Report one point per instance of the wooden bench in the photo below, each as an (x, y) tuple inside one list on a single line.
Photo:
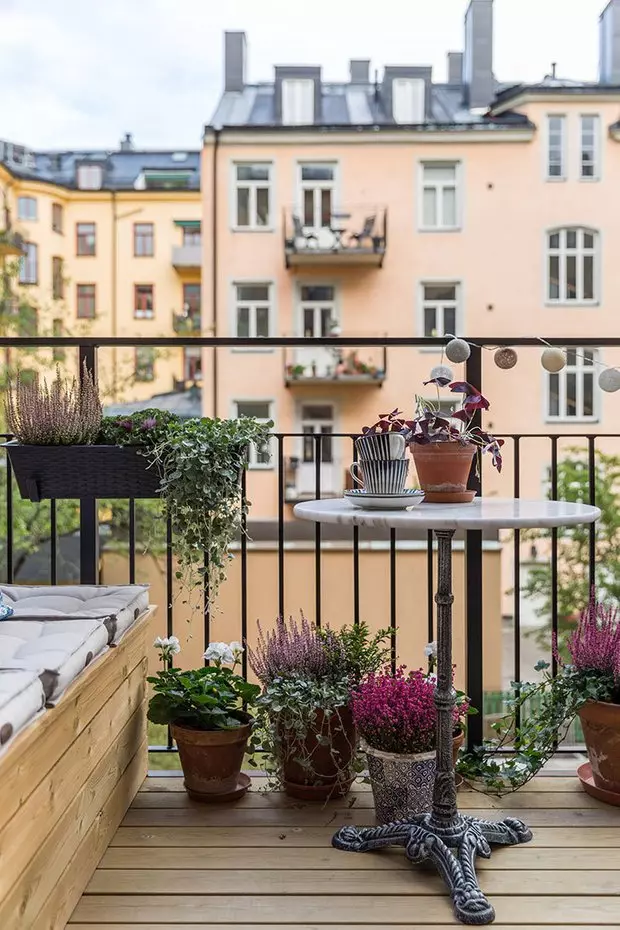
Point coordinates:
[(65, 784)]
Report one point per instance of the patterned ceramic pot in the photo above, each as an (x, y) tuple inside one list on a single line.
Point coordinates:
[(402, 785)]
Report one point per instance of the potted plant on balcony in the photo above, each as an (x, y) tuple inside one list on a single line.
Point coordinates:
[(305, 722), (205, 710), (443, 447)]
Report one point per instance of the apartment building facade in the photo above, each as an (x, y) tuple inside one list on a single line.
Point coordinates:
[(405, 207)]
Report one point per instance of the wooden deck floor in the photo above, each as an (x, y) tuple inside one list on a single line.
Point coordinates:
[(267, 862)]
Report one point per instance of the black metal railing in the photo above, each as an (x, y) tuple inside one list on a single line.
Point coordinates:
[(473, 543)]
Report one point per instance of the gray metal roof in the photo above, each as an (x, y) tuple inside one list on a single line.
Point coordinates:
[(186, 404)]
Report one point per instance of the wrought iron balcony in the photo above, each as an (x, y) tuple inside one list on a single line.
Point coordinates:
[(336, 366), (186, 324), (355, 235)]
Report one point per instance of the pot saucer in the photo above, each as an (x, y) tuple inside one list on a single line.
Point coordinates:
[(456, 497), (601, 794), (367, 501), (243, 784)]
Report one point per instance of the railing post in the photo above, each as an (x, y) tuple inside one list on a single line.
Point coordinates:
[(473, 583), (89, 520)]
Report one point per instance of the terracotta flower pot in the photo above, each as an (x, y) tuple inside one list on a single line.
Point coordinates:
[(443, 471), (212, 760), (457, 742), (601, 731), (328, 749)]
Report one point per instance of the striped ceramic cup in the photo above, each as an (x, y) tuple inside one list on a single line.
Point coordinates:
[(381, 476), (381, 446)]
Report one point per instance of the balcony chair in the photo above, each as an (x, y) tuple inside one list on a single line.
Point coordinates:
[(365, 233), (301, 238)]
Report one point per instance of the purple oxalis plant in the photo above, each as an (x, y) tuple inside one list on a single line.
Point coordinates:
[(390, 423)]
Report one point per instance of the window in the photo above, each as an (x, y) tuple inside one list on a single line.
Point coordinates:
[(572, 266), (89, 177), (440, 303), (298, 102), (192, 363), (86, 301), (57, 217), (143, 240), (86, 238), (440, 207), (191, 299), (252, 196), (590, 133), (318, 310), (164, 180), (144, 302), (556, 155), (58, 354), (571, 392), (317, 420), (58, 281), (192, 235), (29, 264), (259, 456), (408, 100), (145, 363), (252, 310), (317, 194), (27, 208)]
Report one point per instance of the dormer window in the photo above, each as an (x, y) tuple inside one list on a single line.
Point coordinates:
[(89, 177), (297, 102), (408, 98)]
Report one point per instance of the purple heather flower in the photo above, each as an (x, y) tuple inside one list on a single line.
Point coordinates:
[(127, 424), (149, 423)]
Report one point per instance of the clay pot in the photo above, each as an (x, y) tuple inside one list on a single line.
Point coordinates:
[(457, 742), (601, 731), (329, 748), (212, 760), (443, 471)]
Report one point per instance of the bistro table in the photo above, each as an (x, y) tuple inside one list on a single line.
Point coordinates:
[(449, 839)]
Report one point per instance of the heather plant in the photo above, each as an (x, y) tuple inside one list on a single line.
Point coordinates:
[(540, 714), (61, 413)]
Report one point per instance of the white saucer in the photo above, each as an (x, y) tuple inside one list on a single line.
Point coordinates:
[(367, 501)]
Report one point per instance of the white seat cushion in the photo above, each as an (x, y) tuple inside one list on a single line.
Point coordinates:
[(116, 606), (56, 650), (21, 699)]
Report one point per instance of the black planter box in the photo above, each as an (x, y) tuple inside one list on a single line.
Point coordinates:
[(77, 472)]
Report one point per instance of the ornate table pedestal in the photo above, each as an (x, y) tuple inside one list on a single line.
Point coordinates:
[(445, 837)]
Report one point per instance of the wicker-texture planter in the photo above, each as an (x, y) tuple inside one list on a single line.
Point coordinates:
[(77, 472)]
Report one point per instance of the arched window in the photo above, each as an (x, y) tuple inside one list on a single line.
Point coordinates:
[(572, 259)]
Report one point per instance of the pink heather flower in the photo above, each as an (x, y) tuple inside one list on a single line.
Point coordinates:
[(148, 423), (289, 649), (595, 643)]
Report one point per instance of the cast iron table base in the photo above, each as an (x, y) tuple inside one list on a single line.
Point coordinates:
[(448, 839)]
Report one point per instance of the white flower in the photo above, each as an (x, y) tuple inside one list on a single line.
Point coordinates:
[(430, 650), (236, 649), (220, 652), (171, 646)]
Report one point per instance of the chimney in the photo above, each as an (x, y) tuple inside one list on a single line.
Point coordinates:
[(478, 57), (609, 44), (127, 143), (455, 67), (234, 61), (359, 70)]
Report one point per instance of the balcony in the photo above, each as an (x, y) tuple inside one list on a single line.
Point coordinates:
[(12, 244), (187, 258), (353, 236), (335, 366), (186, 324)]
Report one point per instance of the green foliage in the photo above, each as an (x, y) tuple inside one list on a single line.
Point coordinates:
[(144, 428), (354, 652), (209, 698)]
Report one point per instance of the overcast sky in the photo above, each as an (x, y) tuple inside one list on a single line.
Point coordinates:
[(78, 73)]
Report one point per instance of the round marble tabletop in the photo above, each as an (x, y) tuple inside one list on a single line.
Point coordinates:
[(482, 513)]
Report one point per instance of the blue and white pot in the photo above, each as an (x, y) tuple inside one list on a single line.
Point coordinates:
[(402, 785)]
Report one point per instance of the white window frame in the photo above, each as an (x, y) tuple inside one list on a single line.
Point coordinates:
[(562, 252), (415, 90), (562, 148), (301, 420), (252, 186), (31, 214), (302, 113), (320, 185), (439, 187), (27, 263), (594, 148), (439, 305), (89, 177), (579, 369), (253, 465), (234, 304)]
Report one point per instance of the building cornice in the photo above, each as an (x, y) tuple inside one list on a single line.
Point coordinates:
[(554, 96), (368, 135), (35, 185)]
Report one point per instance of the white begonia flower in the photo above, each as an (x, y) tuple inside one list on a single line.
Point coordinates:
[(237, 649), (430, 650), (219, 652), (170, 644)]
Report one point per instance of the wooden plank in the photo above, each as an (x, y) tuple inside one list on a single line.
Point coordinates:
[(36, 750), (229, 815), (195, 836), (306, 926), (218, 857), (342, 882), (23, 836), (372, 909), (61, 902), (47, 867)]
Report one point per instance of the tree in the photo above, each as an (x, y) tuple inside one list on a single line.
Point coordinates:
[(573, 484)]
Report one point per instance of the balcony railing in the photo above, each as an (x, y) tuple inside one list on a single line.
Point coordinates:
[(186, 324), (12, 244), (335, 366), (355, 235), (187, 257), (342, 566)]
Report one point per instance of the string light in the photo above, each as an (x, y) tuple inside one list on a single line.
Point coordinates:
[(442, 371), (553, 360), (458, 350), (505, 358), (609, 380)]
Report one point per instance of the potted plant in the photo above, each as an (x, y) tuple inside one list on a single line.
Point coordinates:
[(204, 708), (377, 440), (306, 726), (540, 714), (396, 717), (443, 447)]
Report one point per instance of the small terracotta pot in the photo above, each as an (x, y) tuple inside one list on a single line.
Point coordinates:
[(329, 748), (212, 760), (457, 742), (443, 471), (601, 731)]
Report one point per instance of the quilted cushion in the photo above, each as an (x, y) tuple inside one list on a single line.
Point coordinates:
[(56, 650), (116, 606), (21, 699)]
